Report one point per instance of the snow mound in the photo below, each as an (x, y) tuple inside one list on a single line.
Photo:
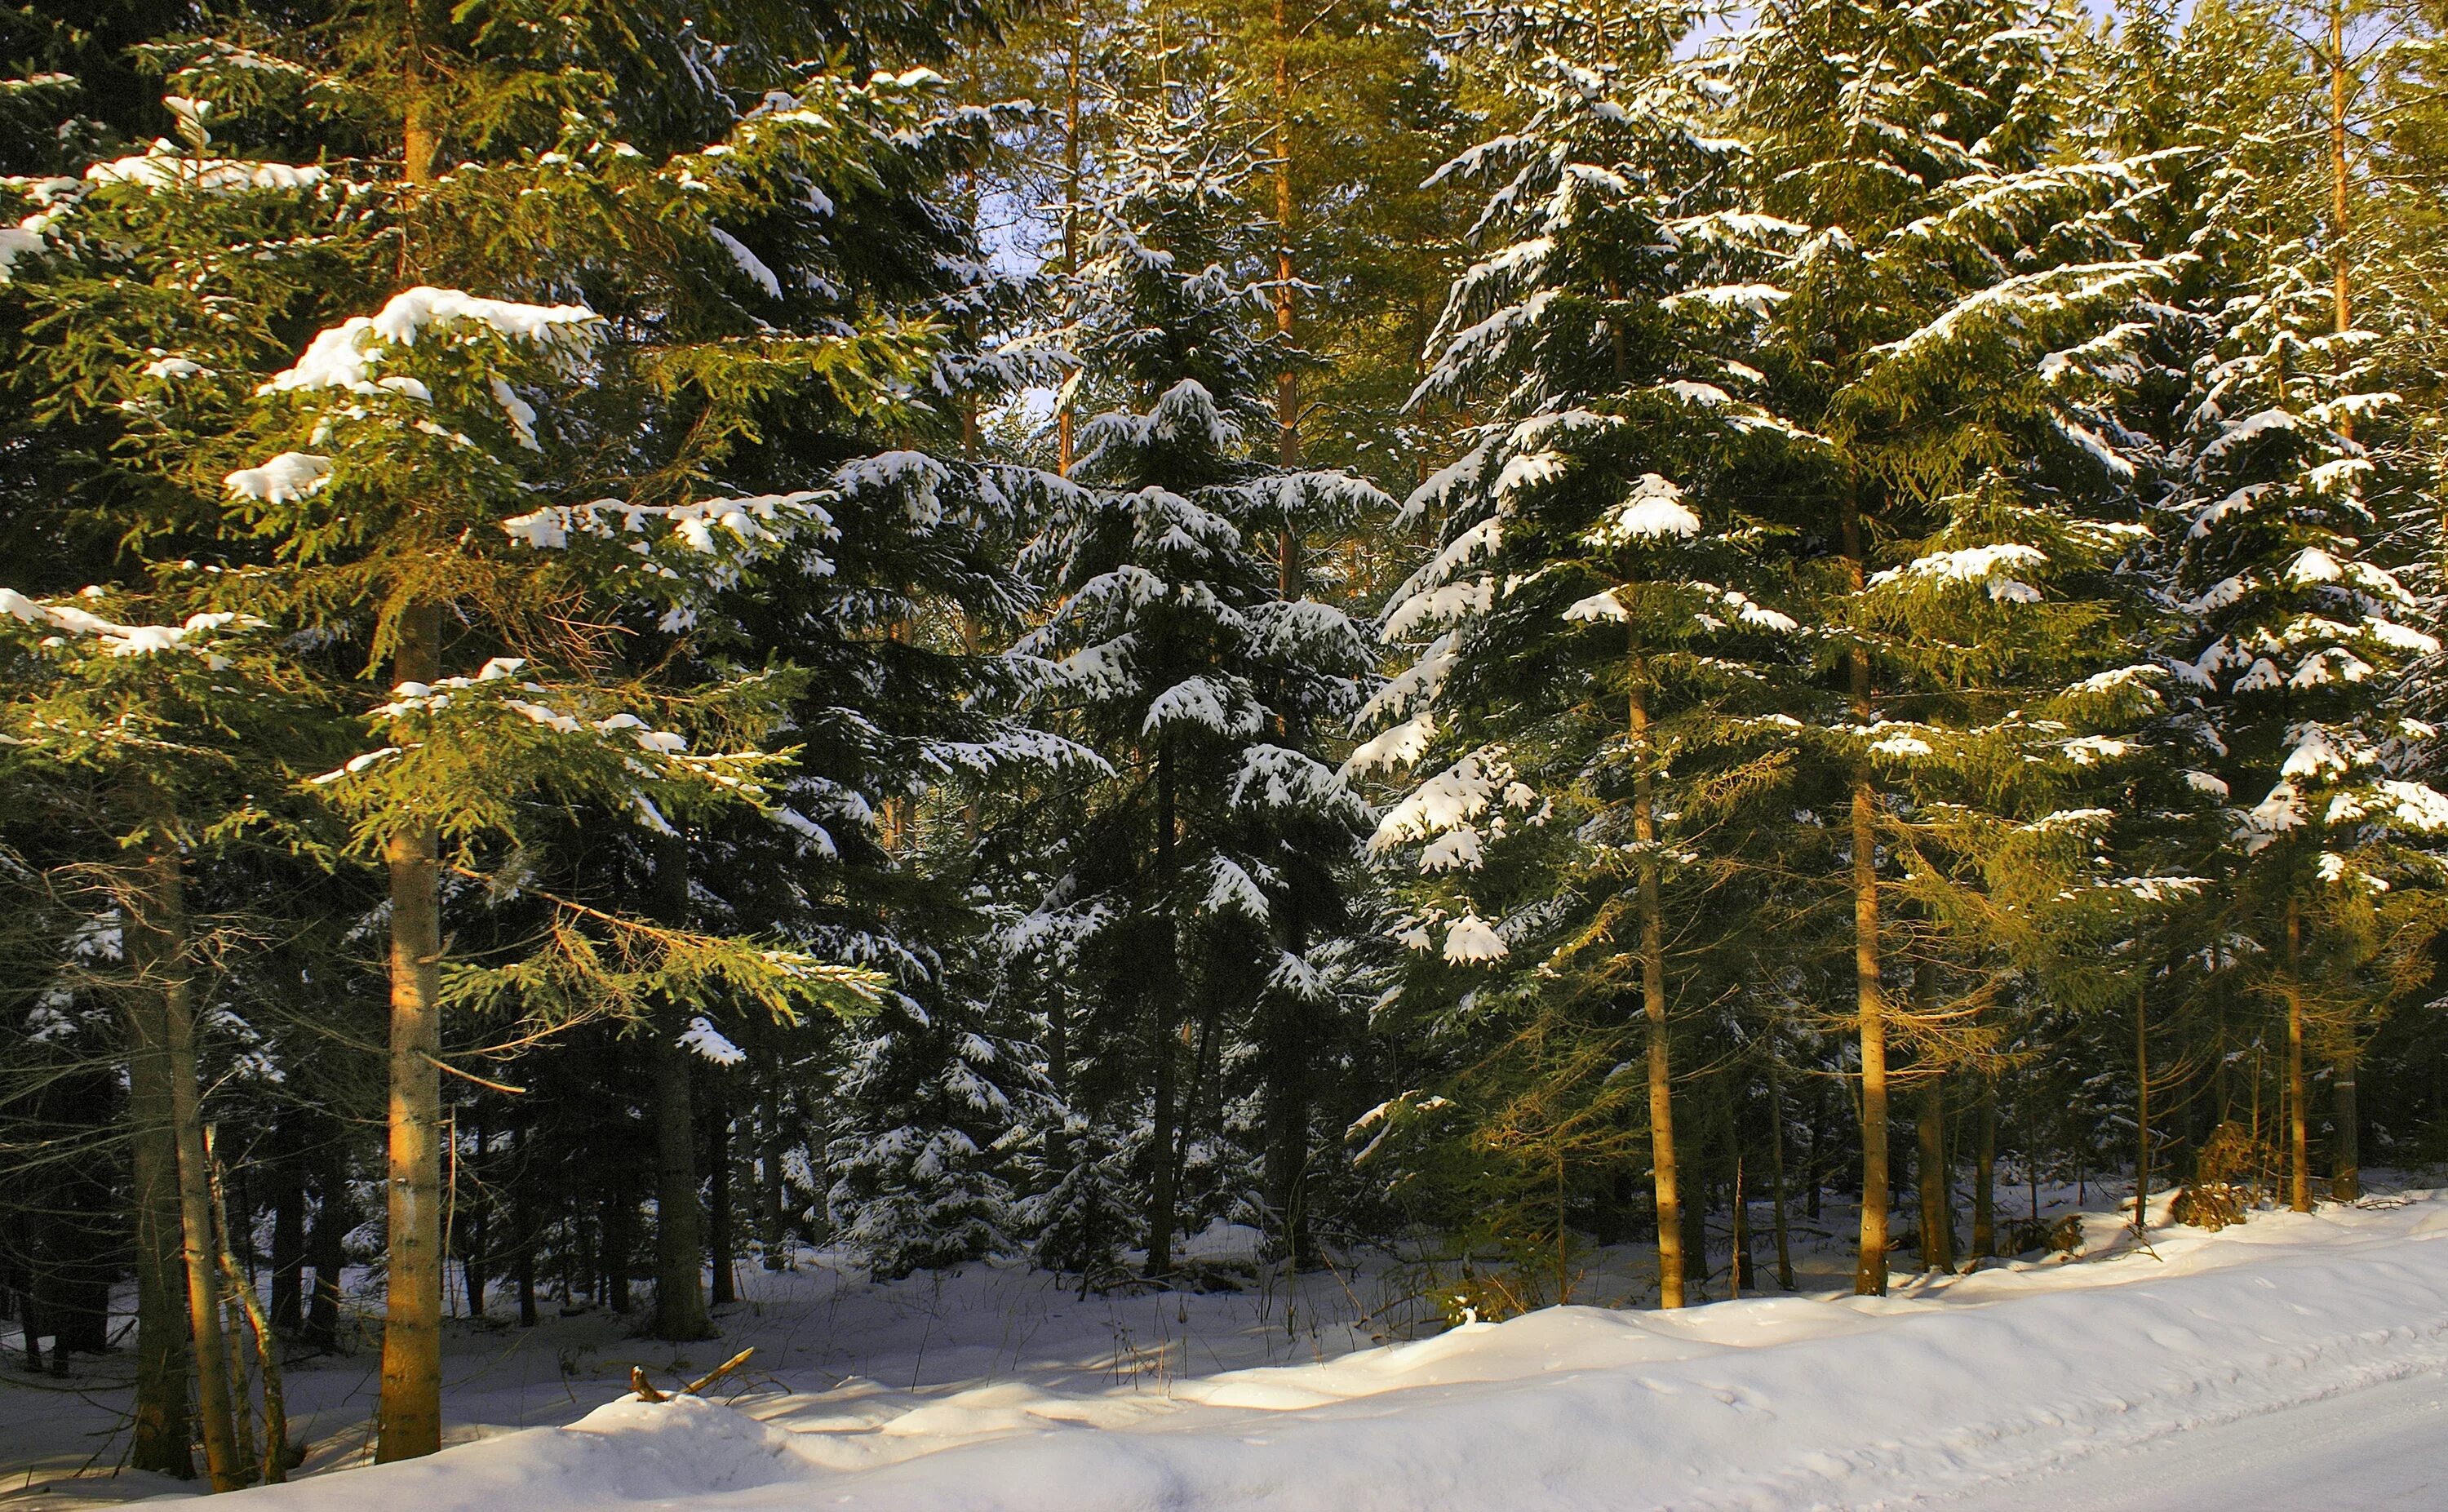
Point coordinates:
[(676, 1450), (1954, 1384)]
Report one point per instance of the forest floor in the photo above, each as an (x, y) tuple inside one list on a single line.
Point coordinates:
[(2230, 1370)]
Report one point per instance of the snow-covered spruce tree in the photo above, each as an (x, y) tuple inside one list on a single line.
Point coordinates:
[(2294, 515), (1960, 514), (1599, 666), (1203, 876), (888, 598)]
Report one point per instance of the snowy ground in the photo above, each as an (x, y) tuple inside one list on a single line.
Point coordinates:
[(2294, 1361)]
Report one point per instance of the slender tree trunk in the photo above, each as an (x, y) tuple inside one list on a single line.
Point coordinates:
[(717, 1228), (1985, 1171), (237, 1302), (679, 1224), (1814, 1165), (165, 920), (289, 1228), (1664, 1180), (2345, 1182), (2141, 1115), (1871, 1261), (771, 1234), (475, 1253), (411, 1410), (1739, 1274), (1776, 1163), (331, 1223), (2346, 1160), (2299, 1140), (1937, 1199), (524, 1215), (162, 1328), (1166, 989)]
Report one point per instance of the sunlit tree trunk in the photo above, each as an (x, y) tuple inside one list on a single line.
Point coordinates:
[(1870, 1009), (162, 923), (410, 1409), (1664, 1180)]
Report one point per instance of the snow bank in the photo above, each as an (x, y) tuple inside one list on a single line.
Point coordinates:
[(1777, 1403)]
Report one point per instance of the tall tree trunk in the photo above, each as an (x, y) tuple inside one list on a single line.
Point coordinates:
[(525, 1216), (237, 1301), (618, 1244), (1664, 1180), (1870, 1259), (2345, 1159), (161, 1442), (679, 1224), (1166, 991), (333, 1220), (1985, 1171), (717, 1228), (771, 1235), (475, 1252), (2141, 1115), (2299, 1140), (1937, 1197), (289, 1228), (1776, 1163), (1287, 1119), (165, 921), (410, 1410)]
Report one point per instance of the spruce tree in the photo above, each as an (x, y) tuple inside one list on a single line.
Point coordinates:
[(1202, 879), (1598, 645)]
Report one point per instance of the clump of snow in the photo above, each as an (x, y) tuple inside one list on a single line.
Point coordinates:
[(1472, 939), (1653, 512), (285, 479), (707, 1040), (167, 166), (1968, 565), (345, 356), (123, 639)]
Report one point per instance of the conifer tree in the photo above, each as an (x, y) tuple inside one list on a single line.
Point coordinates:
[(1593, 656), (1202, 880), (1939, 250), (2284, 468)]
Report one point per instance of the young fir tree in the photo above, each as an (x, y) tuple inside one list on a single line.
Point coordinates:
[(1599, 673), (1202, 881), (1941, 252)]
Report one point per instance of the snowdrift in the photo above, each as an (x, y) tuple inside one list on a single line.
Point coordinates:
[(1778, 1403)]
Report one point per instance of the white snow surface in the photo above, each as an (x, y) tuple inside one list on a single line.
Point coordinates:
[(1969, 1391)]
